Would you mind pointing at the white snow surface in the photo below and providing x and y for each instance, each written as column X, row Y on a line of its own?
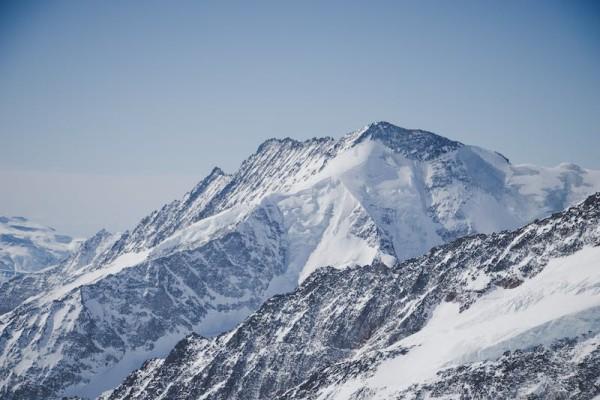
column 561, row 301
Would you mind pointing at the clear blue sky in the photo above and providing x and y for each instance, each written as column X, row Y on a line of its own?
column 134, row 102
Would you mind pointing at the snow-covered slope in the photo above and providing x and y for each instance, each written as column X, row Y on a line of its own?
column 508, row 315
column 421, row 189
column 26, row 246
column 21, row 286
column 203, row 263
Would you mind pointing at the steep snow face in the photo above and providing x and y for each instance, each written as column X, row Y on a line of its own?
column 26, row 246
column 390, row 188
column 202, row 264
column 506, row 315
column 326, row 225
column 439, row 190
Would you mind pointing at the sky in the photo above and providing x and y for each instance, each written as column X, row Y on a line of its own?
column 109, row 109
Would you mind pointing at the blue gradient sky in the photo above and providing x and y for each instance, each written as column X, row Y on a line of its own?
column 133, row 102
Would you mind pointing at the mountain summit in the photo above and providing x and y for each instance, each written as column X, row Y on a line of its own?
column 413, row 144
column 201, row 264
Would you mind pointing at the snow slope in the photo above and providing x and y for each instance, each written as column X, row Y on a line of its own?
column 561, row 301
column 507, row 315
column 205, row 262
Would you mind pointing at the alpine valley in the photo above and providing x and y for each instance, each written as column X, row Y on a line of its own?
column 389, row 263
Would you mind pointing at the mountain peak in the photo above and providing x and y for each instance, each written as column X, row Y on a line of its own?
column 384, row 125
column 216, row 171
column 412, row 143
column 204, row 262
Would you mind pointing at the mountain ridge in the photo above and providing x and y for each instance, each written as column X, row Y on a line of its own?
column 203, row 263
column 314, row 342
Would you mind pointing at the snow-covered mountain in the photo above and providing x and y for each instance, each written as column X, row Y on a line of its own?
column 21, row 286
column 26, row 246
column 508, row 315
column 421, row 189
column 379, row 195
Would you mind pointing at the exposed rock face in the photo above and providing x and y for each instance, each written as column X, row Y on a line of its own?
column 202, row 264
column 358, row 333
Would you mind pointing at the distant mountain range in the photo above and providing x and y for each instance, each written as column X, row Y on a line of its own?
column 202, row 264
column 26, row 246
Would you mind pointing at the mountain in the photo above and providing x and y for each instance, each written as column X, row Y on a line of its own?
column 404, row 179
column 26, row 246
column 507, row 315
column 202, row 264
column 21, row 286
